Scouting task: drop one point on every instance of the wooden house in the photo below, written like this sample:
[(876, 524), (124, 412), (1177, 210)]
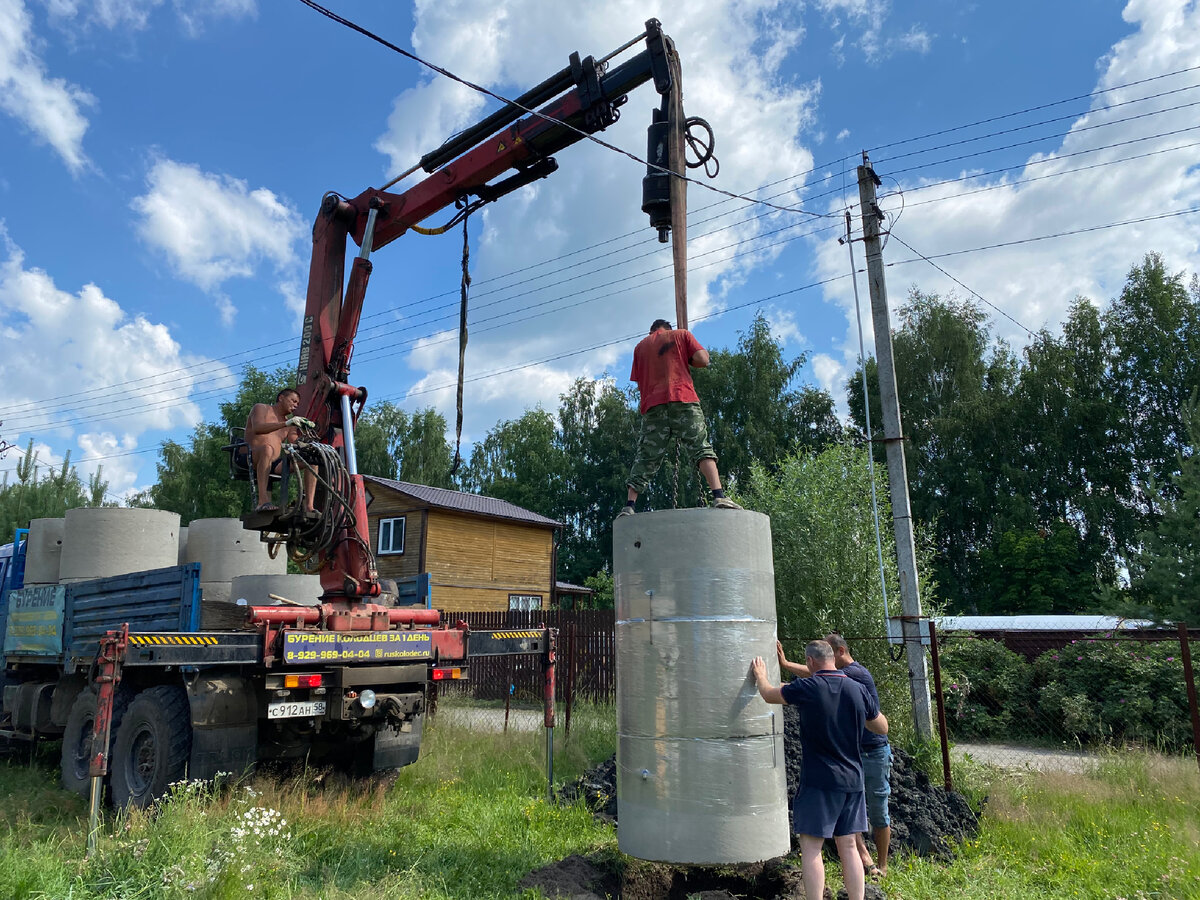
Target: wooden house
[(480, 553)]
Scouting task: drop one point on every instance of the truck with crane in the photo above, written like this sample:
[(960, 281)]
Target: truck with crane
[(125, 670)]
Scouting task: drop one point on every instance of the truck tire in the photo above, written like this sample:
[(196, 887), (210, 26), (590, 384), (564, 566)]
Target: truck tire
[(77, 738), (153, 746)]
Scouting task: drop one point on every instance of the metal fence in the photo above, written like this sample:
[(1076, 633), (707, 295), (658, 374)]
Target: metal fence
[(1016, 700)]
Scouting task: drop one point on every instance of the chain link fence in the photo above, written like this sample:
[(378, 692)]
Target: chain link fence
[(1018, 700), (1054, 701)]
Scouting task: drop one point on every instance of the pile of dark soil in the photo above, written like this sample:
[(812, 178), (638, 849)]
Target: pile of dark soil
[(927, 819), (600, 876)]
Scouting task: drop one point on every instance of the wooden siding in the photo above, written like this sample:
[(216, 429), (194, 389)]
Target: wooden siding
[(476, 563), (408, 563)]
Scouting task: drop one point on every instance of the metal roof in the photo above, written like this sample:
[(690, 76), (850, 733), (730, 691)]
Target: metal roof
[(1040, 623), (572, 588), (459, 501)]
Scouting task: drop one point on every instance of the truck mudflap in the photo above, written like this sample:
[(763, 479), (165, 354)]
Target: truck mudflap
[(224, 710), (394, 748)]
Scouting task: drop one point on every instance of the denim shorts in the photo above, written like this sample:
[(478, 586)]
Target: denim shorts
[(822, 813), (877, 771)]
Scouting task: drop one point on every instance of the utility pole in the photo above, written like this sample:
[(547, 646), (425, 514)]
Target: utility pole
[(906, 561)]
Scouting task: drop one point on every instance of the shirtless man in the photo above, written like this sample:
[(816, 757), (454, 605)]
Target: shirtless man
[(266, 429)]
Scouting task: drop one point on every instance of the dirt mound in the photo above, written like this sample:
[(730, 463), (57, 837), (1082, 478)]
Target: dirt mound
[(927, 819), (600, 876), (598, 788)]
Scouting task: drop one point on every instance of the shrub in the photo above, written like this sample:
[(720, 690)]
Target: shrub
[(1122, 690), (988, 689)]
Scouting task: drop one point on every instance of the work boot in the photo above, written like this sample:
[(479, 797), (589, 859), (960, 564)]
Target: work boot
[(625, 511), (724, 503)]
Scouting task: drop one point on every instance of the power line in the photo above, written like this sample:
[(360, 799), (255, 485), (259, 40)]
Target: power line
[(24, 421), (1004, 184), (1037, 108), (1047, 237), (1016, 128), (311, 4), (81, 395), (528, 365), (974, 293)]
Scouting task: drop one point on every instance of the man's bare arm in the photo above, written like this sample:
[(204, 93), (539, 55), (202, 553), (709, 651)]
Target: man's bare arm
[(699, 359), (260, 424), (878, 725), (787, 665), (769, 692)]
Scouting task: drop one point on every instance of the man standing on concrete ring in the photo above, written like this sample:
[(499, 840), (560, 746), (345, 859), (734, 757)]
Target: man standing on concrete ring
[(670, 409), (876, 755)]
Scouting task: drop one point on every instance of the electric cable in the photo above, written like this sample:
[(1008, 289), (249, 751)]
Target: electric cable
[(341, 20)]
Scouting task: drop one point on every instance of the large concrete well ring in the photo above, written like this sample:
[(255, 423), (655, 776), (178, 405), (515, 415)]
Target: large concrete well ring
[(256, 590), (43, 553), (102, 541), (700, 764), (226, 550)]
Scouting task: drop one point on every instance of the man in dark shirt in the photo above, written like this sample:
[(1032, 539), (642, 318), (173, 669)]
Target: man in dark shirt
[(876, 754), (829, 802), (670, 409)]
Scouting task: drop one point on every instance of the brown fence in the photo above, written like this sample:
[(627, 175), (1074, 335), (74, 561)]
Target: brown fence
[(1040, 700), (586, 657)]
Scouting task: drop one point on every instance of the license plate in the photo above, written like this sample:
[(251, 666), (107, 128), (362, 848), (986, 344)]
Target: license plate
[(286, 710)]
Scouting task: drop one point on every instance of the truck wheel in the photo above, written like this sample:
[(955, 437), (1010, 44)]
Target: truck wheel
[(153, 746), (77, 738)]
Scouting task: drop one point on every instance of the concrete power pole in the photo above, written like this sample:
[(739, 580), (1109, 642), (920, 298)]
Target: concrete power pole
[(910, 596)]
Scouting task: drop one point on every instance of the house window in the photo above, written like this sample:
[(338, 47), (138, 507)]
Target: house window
[(391, 535), (525, 602)]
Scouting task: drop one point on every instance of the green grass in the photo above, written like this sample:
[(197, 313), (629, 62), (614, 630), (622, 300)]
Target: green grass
[(470, 819), (1128, 829)]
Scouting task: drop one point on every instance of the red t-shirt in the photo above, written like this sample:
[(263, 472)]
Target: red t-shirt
[(660, 368)]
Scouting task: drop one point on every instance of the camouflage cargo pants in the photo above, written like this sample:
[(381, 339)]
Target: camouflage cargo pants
[(660, 426)]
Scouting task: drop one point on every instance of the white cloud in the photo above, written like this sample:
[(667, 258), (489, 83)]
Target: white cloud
[(1035, 282), (134, 15), (870, 17), (830, 374), (842, 135), (732, 55), (215, 227), (51, 108), (114, 377)]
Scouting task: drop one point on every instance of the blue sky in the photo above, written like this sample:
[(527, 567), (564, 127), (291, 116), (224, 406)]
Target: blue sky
[(161, 163)]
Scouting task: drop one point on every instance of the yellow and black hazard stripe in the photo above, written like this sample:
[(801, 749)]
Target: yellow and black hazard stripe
[(502, 635), (148, 640)]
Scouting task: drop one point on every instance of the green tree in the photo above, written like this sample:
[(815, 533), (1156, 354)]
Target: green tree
[(596, 437), (1165, 571), (1155, 329), (955, 386), (520, 461), (392, 443), (755, 411), (1037, 571), (827, 574), (45, 493)]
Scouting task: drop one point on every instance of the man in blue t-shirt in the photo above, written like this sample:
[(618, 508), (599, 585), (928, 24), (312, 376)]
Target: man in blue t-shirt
[(876, 755), (833, 710)]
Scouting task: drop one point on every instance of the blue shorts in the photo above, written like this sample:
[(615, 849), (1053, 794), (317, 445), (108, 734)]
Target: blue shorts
[(877, 777), (822, 813)]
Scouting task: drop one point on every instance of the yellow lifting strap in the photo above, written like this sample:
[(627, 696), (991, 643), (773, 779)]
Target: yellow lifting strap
[(430, 232)]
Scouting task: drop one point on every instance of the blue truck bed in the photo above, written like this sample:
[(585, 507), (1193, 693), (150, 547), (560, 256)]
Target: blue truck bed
[(63, 624)]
